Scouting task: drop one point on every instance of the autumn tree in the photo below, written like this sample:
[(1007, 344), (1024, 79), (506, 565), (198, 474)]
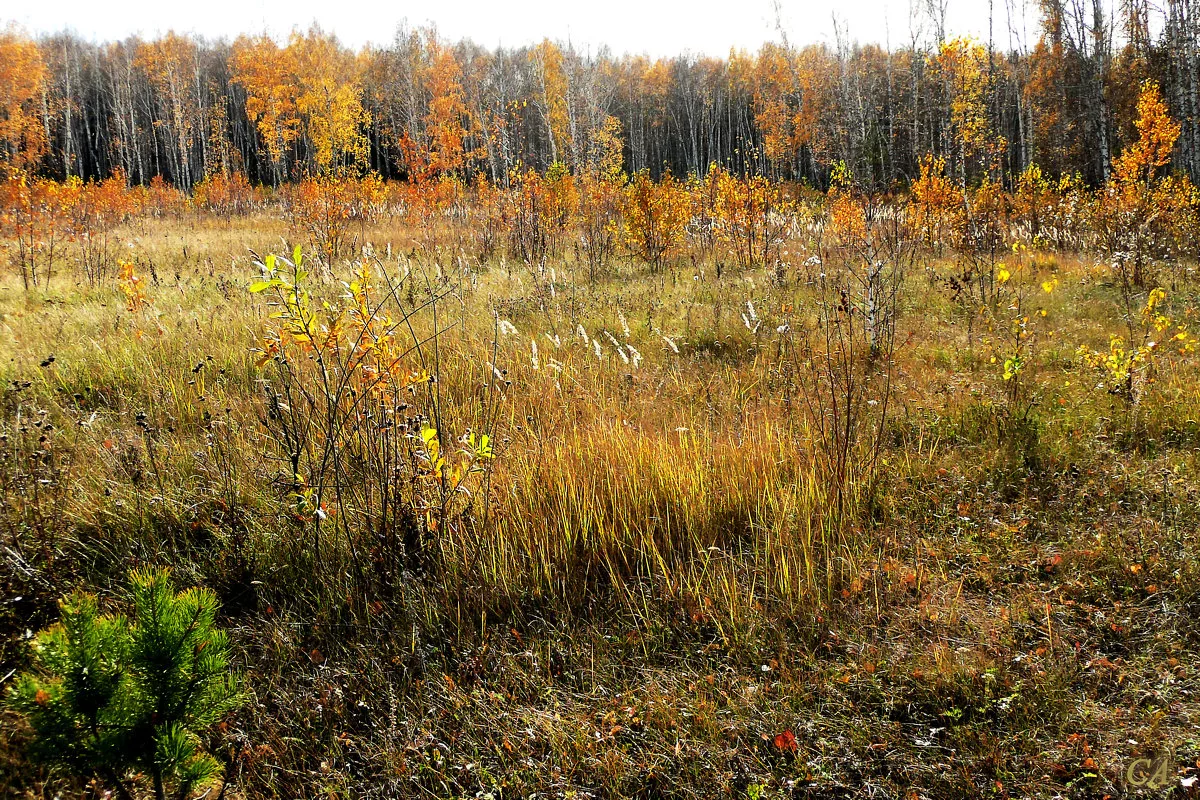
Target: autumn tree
[(600, 187), (964, 67), (752, 215), (1138, 203), (815, 105), (181, 108), (170, 64), (935, 203), (1048, 119), (774, 89), (32, 214), (553, 100), (656, 217), (23, 139), (449, 123), (265, 71), (328, 101)]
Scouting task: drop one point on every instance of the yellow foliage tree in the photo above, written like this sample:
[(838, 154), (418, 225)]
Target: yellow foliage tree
[(964, 68), (1157, 133), (328, 101), (656, 217), (547, 59)]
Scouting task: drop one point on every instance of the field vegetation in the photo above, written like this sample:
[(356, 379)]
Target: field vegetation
[(589, 484)]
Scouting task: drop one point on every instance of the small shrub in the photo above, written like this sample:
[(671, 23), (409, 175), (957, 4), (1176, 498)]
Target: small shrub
[(112, 699)]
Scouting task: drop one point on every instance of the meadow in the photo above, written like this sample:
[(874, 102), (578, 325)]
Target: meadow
[(790, 493)]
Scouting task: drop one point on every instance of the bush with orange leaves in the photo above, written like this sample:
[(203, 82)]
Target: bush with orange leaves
[(161, 199), (936, 204), (224, 195), (428, 198), (704, 226), (599, 219), (541, 211), (752, 215), (94, 210), (485, 222), (656, 217), (433, 206), (34, 213), (45, 216), (325, 210)]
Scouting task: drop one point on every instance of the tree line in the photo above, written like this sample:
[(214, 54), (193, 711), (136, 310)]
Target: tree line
[(184, 108)]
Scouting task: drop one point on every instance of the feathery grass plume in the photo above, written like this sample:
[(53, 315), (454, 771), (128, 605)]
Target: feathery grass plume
[(617, 346)]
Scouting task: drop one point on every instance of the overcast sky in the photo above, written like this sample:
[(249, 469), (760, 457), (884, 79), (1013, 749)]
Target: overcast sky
[(654, 27)]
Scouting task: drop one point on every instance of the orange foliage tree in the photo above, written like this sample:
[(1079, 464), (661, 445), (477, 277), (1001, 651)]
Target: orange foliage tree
[(264, 70), (449, 123), (34, 214), (326, 209), (329, 101), (22, 79), (308, 92), (551, 99), (542, 210), (94, 209), (1138, 205)]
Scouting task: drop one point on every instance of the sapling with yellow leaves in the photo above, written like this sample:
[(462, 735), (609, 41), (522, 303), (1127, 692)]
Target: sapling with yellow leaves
[(1017, 317), (354, 408)]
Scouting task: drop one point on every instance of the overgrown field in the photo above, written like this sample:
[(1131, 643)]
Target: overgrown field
[(860, 510)]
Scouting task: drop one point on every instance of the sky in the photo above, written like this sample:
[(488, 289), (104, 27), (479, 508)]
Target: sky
[(652, 27)]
